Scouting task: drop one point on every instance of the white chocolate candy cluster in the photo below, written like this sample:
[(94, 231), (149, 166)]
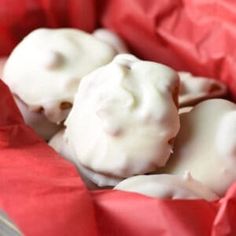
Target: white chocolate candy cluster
[(125, 117), (206, 145), (45, 69), (167, 186)]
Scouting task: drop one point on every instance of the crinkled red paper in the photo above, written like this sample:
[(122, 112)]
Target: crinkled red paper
[(19, 17), (43, 193), (39, 190)]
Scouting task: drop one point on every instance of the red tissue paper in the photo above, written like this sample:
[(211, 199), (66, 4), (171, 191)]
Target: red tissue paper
[(193, 35), (19, 17), (42, 193)]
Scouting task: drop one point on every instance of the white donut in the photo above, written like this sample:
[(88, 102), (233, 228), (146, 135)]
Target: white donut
[(194, 89), (167, 186), (112, 39), (206, 145), (45, 69), (125, 117), (92, 179)]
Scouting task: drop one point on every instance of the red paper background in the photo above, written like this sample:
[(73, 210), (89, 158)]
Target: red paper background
[(43, 193), (19, 17), (194, 35)]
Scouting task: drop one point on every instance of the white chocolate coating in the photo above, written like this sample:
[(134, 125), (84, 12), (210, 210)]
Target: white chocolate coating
[(194, 89), (45, 69), (37, 121), (60, 145), (112, 39), (167, 186), (184, 110), (226, 136), (206, 144), (2, 64), (124, 117), (92, 179)]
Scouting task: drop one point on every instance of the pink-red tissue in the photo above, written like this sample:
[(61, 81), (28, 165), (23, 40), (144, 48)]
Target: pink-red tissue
[(41, 192)]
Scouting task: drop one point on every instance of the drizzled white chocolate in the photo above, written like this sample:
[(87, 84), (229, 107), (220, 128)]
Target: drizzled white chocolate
[(206, 144), (167, 186), (194, 89), (45, 69), (124, 117), (112, 39)]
